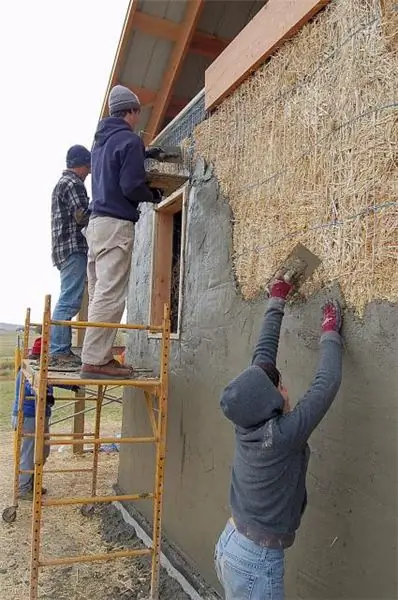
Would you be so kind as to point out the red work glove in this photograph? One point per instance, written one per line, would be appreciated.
(331, 317)
(280, 289)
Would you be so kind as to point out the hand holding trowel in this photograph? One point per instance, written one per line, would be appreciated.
(296, 269)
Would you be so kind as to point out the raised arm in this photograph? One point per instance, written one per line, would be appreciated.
(297, 426)
(267, 346)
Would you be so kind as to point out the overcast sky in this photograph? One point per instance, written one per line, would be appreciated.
(55, 61)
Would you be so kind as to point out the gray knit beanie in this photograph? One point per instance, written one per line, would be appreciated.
(121, 98)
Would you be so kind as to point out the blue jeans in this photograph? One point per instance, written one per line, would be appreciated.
(27, 460)
(73, 278)
(246, 570)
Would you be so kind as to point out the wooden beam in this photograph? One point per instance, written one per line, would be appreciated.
(202, 43)
(148, 97)
(276, 22)
(120, 53)
(208, 45)
(188, 25)
(161, 273)
(156, 26)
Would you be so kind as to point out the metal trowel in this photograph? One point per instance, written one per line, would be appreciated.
(298, 267)
(170, 154)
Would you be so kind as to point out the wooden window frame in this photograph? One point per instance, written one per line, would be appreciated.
(169, 206)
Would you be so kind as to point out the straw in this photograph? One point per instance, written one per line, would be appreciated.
(306, 151)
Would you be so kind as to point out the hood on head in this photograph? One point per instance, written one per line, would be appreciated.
(108, 127)
(251, 398)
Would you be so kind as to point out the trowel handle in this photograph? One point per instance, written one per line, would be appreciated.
(288, 276)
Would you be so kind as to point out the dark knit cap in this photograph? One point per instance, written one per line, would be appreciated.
(78, 156)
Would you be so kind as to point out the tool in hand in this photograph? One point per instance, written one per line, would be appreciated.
(297, 268)
(167, 154)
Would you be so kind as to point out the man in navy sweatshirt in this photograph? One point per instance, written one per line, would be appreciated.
(268, 492)
(118, 188)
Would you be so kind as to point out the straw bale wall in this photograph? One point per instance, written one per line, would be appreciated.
(306, 150)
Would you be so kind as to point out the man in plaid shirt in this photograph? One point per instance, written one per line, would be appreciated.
(69, 215)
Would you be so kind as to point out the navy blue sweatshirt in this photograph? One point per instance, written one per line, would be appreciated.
(29, 405)
(118, 171)
(268, 492)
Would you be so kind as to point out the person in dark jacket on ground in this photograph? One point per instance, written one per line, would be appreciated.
(27, 458)
(118, 188)
(268, 490)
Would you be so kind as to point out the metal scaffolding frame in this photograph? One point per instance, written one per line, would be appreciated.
(156, 397)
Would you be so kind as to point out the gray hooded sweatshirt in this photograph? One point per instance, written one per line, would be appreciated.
(268, 494)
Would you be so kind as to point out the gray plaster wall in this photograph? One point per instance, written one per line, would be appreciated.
(347, 544)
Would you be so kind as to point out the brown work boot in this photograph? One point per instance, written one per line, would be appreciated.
(112, 370)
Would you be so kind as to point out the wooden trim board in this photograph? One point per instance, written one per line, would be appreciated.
(276, 22)
(160, 289)
(166, 182)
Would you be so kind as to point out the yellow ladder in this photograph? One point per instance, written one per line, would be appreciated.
(156, 396)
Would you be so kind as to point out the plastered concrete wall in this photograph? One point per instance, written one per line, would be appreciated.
(346, 547)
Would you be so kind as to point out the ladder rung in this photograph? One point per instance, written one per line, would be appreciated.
(70, 560)
(96, 499)
(31, 471)
(99, 441)
(54, 435)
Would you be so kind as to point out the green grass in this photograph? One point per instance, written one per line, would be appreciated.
(111, 413)
(8, 342)
(7, 391)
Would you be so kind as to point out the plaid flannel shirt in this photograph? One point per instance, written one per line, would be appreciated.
(66, 235)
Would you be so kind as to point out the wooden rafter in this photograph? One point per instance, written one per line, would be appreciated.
(120, 52)
(202, 43)
(207, 45)
(148, 97)
(163, 28)
(180, 49)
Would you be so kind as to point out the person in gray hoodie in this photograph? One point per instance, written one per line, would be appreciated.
(268, 490)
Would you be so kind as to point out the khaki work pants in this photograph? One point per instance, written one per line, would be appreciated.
(110, 246)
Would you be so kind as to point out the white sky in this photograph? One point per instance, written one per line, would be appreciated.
(55, 61)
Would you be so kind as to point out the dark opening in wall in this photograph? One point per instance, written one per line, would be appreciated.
(175, 271)
(168, 260)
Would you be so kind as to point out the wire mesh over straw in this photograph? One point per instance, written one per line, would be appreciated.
(306, 150)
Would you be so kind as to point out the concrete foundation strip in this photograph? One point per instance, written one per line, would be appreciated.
(166, 564)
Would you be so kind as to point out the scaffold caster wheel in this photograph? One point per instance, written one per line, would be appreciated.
(9, 514)
(87, 510)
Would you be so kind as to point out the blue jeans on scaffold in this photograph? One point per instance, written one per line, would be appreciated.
(246, 570)
(27, 458)
(73, 278)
